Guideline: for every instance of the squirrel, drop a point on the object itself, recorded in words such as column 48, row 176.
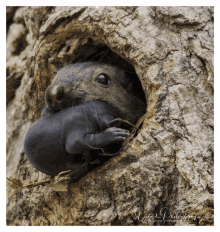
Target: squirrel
column 84, row 105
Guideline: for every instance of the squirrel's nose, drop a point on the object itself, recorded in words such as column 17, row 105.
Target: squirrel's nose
column 55, row 95
column 59, row 93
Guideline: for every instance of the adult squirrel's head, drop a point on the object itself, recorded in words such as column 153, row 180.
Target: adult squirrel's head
column 83, row 82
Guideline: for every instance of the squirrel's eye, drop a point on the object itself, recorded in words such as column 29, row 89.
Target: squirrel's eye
column 103, row 79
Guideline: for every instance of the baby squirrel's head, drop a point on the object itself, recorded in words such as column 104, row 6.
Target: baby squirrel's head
column 79, row 83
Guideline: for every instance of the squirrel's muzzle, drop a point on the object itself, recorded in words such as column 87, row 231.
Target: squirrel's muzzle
column 57, row 97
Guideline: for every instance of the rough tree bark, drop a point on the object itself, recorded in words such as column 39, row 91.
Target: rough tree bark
column 167, row 169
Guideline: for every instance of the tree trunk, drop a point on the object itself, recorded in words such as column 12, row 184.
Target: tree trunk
column 165, row 175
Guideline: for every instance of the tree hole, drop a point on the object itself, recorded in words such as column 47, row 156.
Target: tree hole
column 90, row 52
